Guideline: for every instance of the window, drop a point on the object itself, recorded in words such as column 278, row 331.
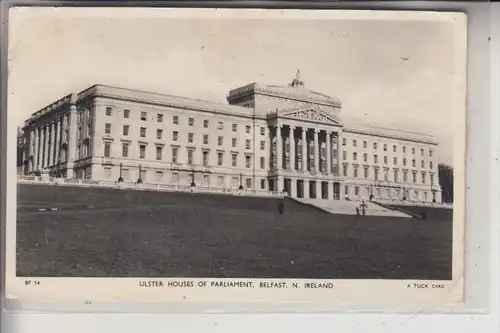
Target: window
column 143, row 132
column 205, row 139
column 394, row 148
column 355, row 172
column 262, row 162
column 235, row 127
column 356, row 190
column 159, row 151
column 125, row 149
column 366, row 172
column 220, row 125
column 385, row 159
column 421, row 152
column 344, row 170
column 126, row 113
column 344, row 155
column 249, row 182
column 175, row 120
column 234, row 141
column 142, row 151
column 365, row 157
column 107, row 172
column 159, row 117
column 175, row 135
column 262, row 131
column 191, row 121
column 205, row 158
column 413, row 150
column 404, row 149
column 220, row 140
column 432, row 179
column 190, row 156
column 396, row 176
column 423, row 177
column 125, row 174
column 143, row 115
column 262, row 184
column 385, row 147
column 107, row 128
column 205, row 123
column 395, row 161
column 404, row 161
column 413, row 163
column 375, row 174
column 375, row 158
column 175, row 152
column 430, row 165
column 159, row 134
column 422, row 164
column 158, row 176
column 414, row 177
column 248, row 161
column 262, row 145
column 248, row 129
column 354, row 143
column 220, row 157
column 234, row 159
column 109, row 111
column 125, row 129
column 247, row 144
column 405, row 176
column 344, row 141
column 430, row 152
column 365, row 144
column 346, row 190
column 190, row 137
column 355, row 156
column 374, row 145
column 107, row 149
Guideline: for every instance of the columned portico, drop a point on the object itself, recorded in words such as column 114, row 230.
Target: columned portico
column 303, row 158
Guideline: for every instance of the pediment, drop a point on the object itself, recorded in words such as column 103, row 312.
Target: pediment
column 311, row 114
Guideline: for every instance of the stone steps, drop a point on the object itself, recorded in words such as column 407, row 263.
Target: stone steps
column 346, row 207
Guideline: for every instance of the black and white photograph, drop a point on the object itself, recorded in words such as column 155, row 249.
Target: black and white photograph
column 292, row 155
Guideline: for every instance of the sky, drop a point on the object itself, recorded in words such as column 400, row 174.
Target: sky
column 359, row 61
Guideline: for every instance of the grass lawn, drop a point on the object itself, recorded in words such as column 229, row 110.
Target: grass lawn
column 122, row 233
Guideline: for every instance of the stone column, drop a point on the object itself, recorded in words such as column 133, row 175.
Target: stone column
column 330, row 190
column 339, row 153
column 279, row 148
column 304, row 149
column 306, row 189
column 45, row 146
column 328, row 154
column 58, row 139
column 293, row 188
column 316, row 150
column 52, row 131
column 319, row 192
column 37, row 148
column 292, row 147
column 31, row 152
column 72, row 125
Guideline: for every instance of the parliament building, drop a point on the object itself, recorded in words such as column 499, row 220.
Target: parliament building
column 266, row 138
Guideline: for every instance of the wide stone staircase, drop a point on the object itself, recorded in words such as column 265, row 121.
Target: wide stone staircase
column 348, row 207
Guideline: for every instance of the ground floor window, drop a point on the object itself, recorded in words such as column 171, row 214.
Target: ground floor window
column 263, row 184
column 249, row 183
column 346, row 190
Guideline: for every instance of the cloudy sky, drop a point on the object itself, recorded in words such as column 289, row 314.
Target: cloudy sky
column 356, row 60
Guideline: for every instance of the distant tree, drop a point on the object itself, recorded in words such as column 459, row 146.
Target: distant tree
column 20, row 147
column 446, row 182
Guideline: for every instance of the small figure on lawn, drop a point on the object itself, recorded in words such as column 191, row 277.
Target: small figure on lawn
column 363, row 207
column 281, row 207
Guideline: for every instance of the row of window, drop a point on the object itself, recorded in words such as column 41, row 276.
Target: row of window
column 375, row 146
column 378, row 192
column 395, row 160
column 191, row 120
column 366, row 174
column 175, row 178
column 190, row 155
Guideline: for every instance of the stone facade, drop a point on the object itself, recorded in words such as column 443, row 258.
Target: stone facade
column 267, row 138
